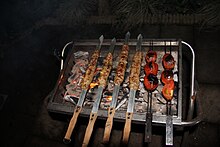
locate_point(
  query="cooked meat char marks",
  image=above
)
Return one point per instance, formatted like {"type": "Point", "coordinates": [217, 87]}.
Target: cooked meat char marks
{"type": "Point", "coordinates": [90, 70]}
{"type": "Point", "coordinates": [120, 72]}
{"type": "Point", "coordinates": [135, 71]}
{"type": "Point", "coordinates": [107, 66]}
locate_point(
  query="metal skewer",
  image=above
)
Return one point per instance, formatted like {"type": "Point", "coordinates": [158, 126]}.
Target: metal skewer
{"type": "Point", "coordinates": [112, 109]}
{"type": "Point", "coordinates": [94, 112]}
{"type": "Point", "coordinates": [78, 107]}
{"type": "Point", "coordinates": [165, 47]}
{"type": "Point", "coordinates": [170, 47]}
{"type": "Point", "coordinates": [131, 100]}
{"type": "Point", "coordinates": [148, 124]}
{"type": "Point", "coordinates": [169, 125]}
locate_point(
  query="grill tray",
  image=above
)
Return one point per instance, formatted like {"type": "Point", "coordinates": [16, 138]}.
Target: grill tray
{"type": "Point", "coordinates": [58, 105]}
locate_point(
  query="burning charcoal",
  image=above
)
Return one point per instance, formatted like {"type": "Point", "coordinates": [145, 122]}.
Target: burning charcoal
{"type": "Point", "coordinates": [137, 99]}
{"type": "Point", "coordinates": [111, 77]}
{"type": "Point", "coordinates": [121, 103]}
{"type": "Point", "coordinates": [160, 98]}
{"type": "Point", "coordinates": [90, 96]}
{"type": "Point", "coordinates": [126, 79]}
{"type": "Point", "coordinates": [93, 88]}
{"type": "Point", "coordinates": [125, 105]}
{"type": "Point", "coordinates": [156, 107]}
{"type": "Point", "coordinates": [71, 99]}
{"type": "Point", "coordinates": [82, 69]}
{"type": "Point", "coordinates": [71, 91]}
{"type": "Point", "coordinates": [88, 103]}
{"type": "Point", "coordinates": [125, 90]}
{"type": "Point", "coordinates": [173, 109]}
{"type": "Point", "coordinates": [72, 78]}
{"type": "Point", "coordinates": [80, 80]}
{"type": "Point", "coordinates": [107, 93]}
{"type": "Point", "coordinates": [79, 66]}
{"type": "Point", "coordinates": [142, 90]}
{"type": "Point", "coordinates": [158, 110]}
{"type": "Point", "coordinates": [125, 85]}
{"type": "Point", "coordinates": [142, 74]}
{"type": "Point", "coordinates": [110, 87]}
{"type": "Point", "coordinates": [78, 89]}
{"type": "Point", "coordinates": [174, 102]}
{"type": "Point", "coordinates": [140, 107]}
{"type": "Point", "coordinates": [105, 104]}
{"type": "Point", "coordinates": [75, 68]}
{"type": "Point", "coordinates": [141, 79]}
{"type": "Point", "coordinates": [145, 97]}
{"type": "Point", "coordinates": [102, 105]}
{"type": "Point", "coordinates": [71, 86]}
{"type": "Point", "coordinates": [139, 94]}
{"type": "Point", "coordinates": [143, 63]}
{"type": "Point", "coordinates": [81, 55]}
{"type": "Point", "coordinates": [111, 81]}
{"type": "Point", "coordinates": [164, 109]}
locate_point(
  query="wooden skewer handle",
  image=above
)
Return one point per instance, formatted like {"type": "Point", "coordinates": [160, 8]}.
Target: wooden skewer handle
{"type": "Point", "coordinates": [108, 125]}
{"type": "Point", "coordinates": [127, 127]}
{"type": "Point", "coordinates": [72, 124]}
{"type": "Point", "coordinates": [89, 129]}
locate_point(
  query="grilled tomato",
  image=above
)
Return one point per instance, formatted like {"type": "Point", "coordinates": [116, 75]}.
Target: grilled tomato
{"type": "Point", "coordinates": [150, 82]}
{"type": "Point", "coordinates": [151, 56]}
{"type": "Point", "coordinates": [168, 62]}
{"type": "Point", "coordinates": [168, 90]}
{"type": "Point", "coordinates": [151, 68]}
{"type": "Point", "coordinates": [166, 76]}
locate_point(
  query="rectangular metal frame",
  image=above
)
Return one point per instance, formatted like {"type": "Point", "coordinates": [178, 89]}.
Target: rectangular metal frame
{"type": "Point", "coordinates": [64, 108]}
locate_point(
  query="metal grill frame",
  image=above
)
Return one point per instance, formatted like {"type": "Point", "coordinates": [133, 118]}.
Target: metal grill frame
{"type": "Point", "coordinates": [139, 118]}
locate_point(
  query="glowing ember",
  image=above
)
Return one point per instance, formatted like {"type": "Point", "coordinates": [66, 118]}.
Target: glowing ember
{"type": "Point", "coordinates": [92, 85]}
{"type": "Point", "coordinates": [109, 98]}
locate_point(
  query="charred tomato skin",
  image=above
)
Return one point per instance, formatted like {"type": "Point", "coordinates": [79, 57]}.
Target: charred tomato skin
{"type": "Point", "coordinates": [166, 76]}
{"type": "Point", "coordinates": [151, 56]}
{"type": "Point", "coordinates": [168, 61]}
{"type": "Point", "coordinates": [151, 68]}
{"type": "Point", "coordinates": [168, 90]}
{"type": "Point", "coordinates": [151, 82]}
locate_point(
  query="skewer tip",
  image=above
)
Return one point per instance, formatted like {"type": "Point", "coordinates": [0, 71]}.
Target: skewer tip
{"type": "Point", "coordinates": [140, 37]}
{"type": "Point", "coordinates": [101, 38]}
{"type": "Point", "coordinates": [139, 41]}
{"type": "Point", "coordinates": [128, 34]}
{"type": "Point", "coordinates": [114, 40]}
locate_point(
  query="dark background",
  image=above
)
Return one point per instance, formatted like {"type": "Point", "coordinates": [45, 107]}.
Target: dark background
{"type": "Point", "coordinates": [30, 31]}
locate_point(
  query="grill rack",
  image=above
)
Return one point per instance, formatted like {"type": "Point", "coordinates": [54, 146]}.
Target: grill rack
{"type": "Point", "coordinates": [57, 104]}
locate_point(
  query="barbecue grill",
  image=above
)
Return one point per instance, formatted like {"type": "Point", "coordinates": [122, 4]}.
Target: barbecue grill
{"type": "Point", "coordinates": [63, 102]}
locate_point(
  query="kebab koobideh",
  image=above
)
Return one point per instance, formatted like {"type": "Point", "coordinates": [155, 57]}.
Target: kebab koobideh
{"type": "Point", "coordinates": [119, 78]}
{"type": "Point", "coordinates": [87, 79]}
{"type": "Point", "coordinates": [102, 81]}
{"type": "Point", "coordinates": [134, 82]}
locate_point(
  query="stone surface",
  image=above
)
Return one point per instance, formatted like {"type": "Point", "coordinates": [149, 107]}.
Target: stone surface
{"type": "Point", "coordinates": [209, 95]}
